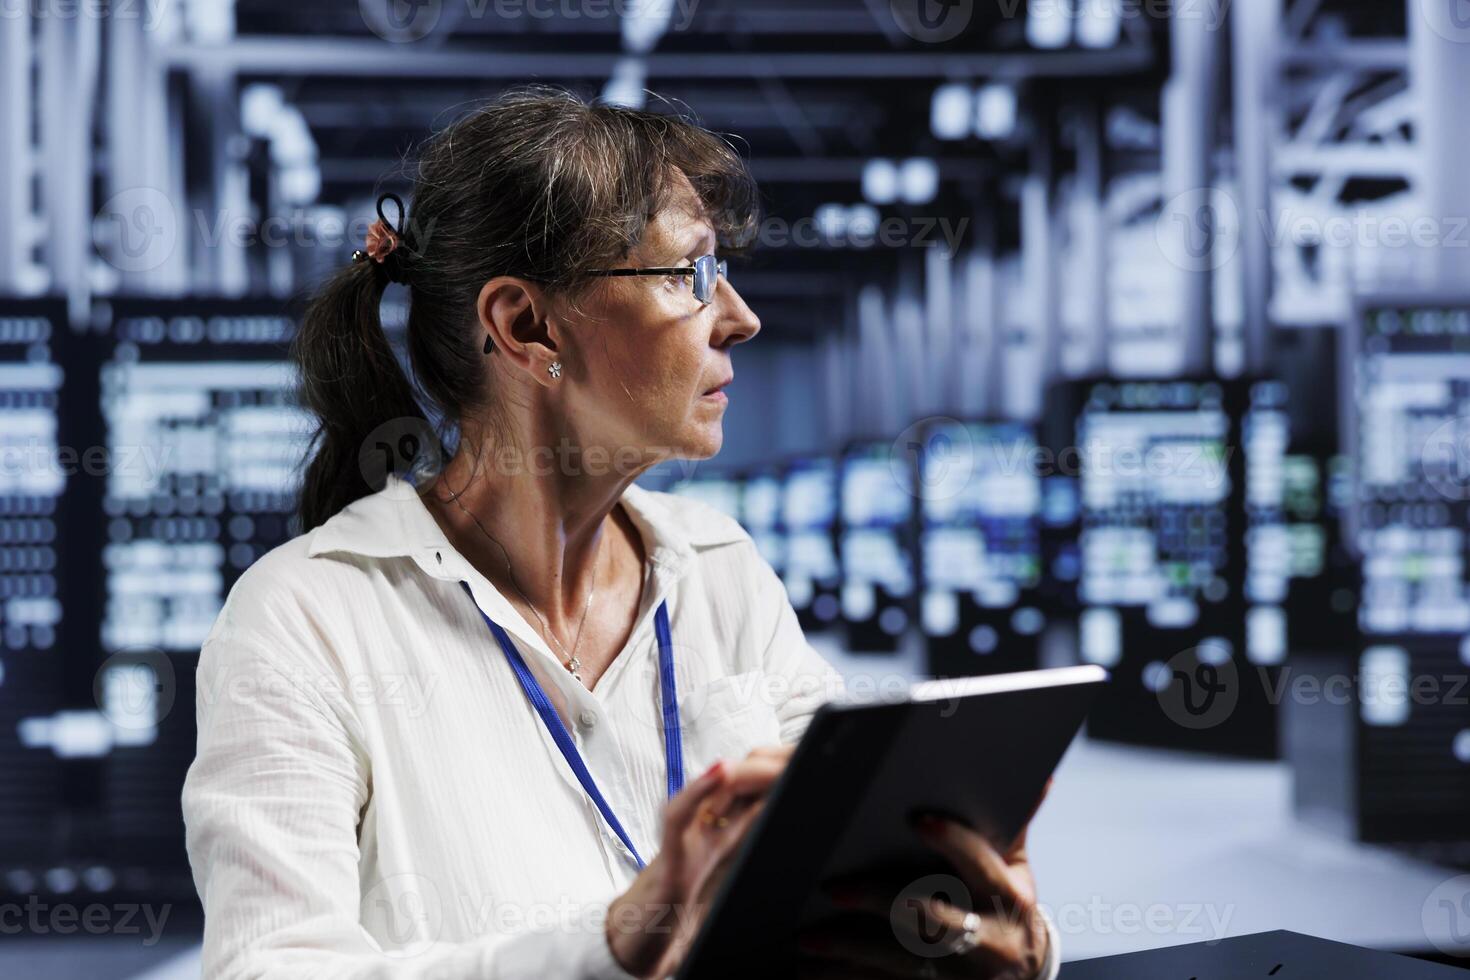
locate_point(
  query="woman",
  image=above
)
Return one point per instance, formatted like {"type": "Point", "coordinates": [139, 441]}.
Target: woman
{"type": "Point", "coordinates": [441, 733]}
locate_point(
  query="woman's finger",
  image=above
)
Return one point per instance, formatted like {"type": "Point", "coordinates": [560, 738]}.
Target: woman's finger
{"type": "Point", "coordinates": [929, 922]}
{"type": "Point", "coordinates": [782, 751]}
{"type": "Point", "coordinates": [720, 845]}
{"type": "Point", "coordinates": [748, 777]}
{"type": "Point", "coordinates": [723, 836]}
{"type": "Point", "coordinates": [979, 864]}
{"type": "Point", "coordinates": [1017, 851]}
{"type": "Point", "coordinates": [681, 809]}
{"type": "Point", "coordinates": [1000, 939]}
{"type": "Point", "coordinates": [731, 822]}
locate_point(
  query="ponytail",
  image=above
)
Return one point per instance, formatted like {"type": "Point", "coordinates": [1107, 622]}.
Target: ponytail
{"type": "Point", "coordinates": [352, 382]}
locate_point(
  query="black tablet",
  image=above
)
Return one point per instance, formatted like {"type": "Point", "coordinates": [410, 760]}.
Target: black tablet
{"type": "Point", "coordinates": [979, 748]}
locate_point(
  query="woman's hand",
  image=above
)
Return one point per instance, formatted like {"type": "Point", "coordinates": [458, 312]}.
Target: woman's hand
{"type": "Point", "coordinates": [651, 925]}
{"type": "Point", "coordinates": [999, 933]}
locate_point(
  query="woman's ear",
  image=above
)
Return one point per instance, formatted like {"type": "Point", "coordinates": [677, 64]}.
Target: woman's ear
{"type": "Point", "coordinates": [514, 313]}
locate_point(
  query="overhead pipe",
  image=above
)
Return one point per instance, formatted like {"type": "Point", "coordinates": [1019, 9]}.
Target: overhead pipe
{"type": "Point", "coordinates": [1439, 77]}
{"type": "Point", "coordinates": [1255, 31]}
{"type": "Point", "coordinates": [1186, 228]}
{"type": "Point", "coordinates": [1039, 266]}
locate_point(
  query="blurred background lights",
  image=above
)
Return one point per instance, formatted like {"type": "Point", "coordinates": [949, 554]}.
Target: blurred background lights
{"type": "Point", "coordinates": [880, 181]}
{"type": "Point", "coordinates": [1049, 23]}
{"type": "Point", "coordinates": [1099, 23]}
{"type": "Point", "coordinates": [995, 111]}
{"type": "Point", "coordinates": [951, 111]}
{"type": "Point", "coordinates": [918, 180]}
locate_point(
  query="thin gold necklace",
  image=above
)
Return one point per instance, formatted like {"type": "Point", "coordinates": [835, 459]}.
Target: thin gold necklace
{"type": "Point", "coordinates": [572, 664]}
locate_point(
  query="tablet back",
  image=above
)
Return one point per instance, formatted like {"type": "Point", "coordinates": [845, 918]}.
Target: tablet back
{"type": "Point", "coordinates": [979, 748]}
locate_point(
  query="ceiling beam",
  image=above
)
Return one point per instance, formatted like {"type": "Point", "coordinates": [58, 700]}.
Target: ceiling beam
{"type": "Point", "coordinates": [1387, 54]}
{"type": "Point", "coordinates": [779, 170]}
{"type": "Point", "coordinates": [301, 57]}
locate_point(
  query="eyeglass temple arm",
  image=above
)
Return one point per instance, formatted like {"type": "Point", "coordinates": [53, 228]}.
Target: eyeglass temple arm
{"type": "Point", "coordinates": [683, 270]}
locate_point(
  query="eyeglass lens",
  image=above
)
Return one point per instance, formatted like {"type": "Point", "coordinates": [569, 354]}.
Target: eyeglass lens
{"type": "Point", "coordinates": [707, 270]}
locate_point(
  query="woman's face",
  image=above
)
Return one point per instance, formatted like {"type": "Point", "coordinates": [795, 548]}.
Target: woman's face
{"type": "Point", "coordinates": [645, 363]}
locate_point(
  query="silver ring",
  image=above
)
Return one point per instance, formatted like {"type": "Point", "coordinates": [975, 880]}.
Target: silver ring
{"type": "Point", "coordinates": [970, 936]}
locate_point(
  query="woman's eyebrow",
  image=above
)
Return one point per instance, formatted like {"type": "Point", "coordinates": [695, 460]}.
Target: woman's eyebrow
{"type": "Point", "coordinates": [689, 244]}
{"type": "Point", "coordinates": [706, 237]}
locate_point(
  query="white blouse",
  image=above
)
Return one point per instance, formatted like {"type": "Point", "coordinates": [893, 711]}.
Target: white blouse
{"type": "Point", "coordinates": [374, 796]}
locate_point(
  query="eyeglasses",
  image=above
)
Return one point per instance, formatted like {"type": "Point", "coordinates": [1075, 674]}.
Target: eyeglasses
{"type": "Point", "coordinates": [705, 272]}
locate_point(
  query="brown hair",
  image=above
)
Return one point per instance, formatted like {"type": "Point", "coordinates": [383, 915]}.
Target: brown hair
{"type": "Point", "coordinates": [539, 184]}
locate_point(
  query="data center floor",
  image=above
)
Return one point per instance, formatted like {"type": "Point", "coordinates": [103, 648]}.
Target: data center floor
{"type": "Point", "coordinates": [1139, 848]}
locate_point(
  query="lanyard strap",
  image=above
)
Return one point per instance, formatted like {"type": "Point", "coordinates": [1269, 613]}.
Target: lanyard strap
{"type": "Point", "coordinates": [669, 699]}
{"type": "Point", "coordinates": [673, 739]}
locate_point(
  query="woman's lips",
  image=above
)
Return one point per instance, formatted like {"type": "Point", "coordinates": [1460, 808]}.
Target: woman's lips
{"type": "Point", "coordinates": [717, 393]}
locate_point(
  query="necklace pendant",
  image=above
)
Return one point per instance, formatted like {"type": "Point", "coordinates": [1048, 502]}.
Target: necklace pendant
{"type": "Point", "coordinates": [574, 665]}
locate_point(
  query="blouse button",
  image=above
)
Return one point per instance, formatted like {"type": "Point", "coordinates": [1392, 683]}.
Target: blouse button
{"type": "Point", "coordinates": [588, 717]}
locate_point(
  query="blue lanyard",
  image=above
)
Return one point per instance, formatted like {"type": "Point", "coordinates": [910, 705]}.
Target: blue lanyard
{"type": "Point", "coordinates": [673, 740]}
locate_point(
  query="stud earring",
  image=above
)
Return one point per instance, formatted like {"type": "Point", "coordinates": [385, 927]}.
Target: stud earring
{"type": "Point", "coordinates": [554, 369]}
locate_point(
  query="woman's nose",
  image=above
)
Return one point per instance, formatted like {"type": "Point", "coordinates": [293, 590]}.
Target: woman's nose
{"type": "Point", "coordinates": [737, 322]}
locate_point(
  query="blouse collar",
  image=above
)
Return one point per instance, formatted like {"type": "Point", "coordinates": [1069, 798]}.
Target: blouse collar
{"type": "Point", "coordinates": [395, 523]}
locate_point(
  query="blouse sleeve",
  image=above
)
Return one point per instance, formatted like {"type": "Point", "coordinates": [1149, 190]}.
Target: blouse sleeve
{"type": "Point", "coordinates": [804, 680]}
{"type": "Point", "coordinates": [1053, 963]}
{"type": "Point", "coordinates": [271, 807]}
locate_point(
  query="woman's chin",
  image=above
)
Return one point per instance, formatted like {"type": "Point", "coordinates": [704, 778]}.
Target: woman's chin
{"type": "Point", "coordinates": [704, 441]}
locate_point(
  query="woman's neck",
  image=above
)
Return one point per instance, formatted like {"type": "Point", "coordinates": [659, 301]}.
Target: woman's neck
{"type": "Point", "coordinates": [549, 510]}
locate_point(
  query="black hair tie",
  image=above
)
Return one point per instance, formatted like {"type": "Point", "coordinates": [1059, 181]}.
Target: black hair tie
{"type": "Point", "coordinates": [387, 243]}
